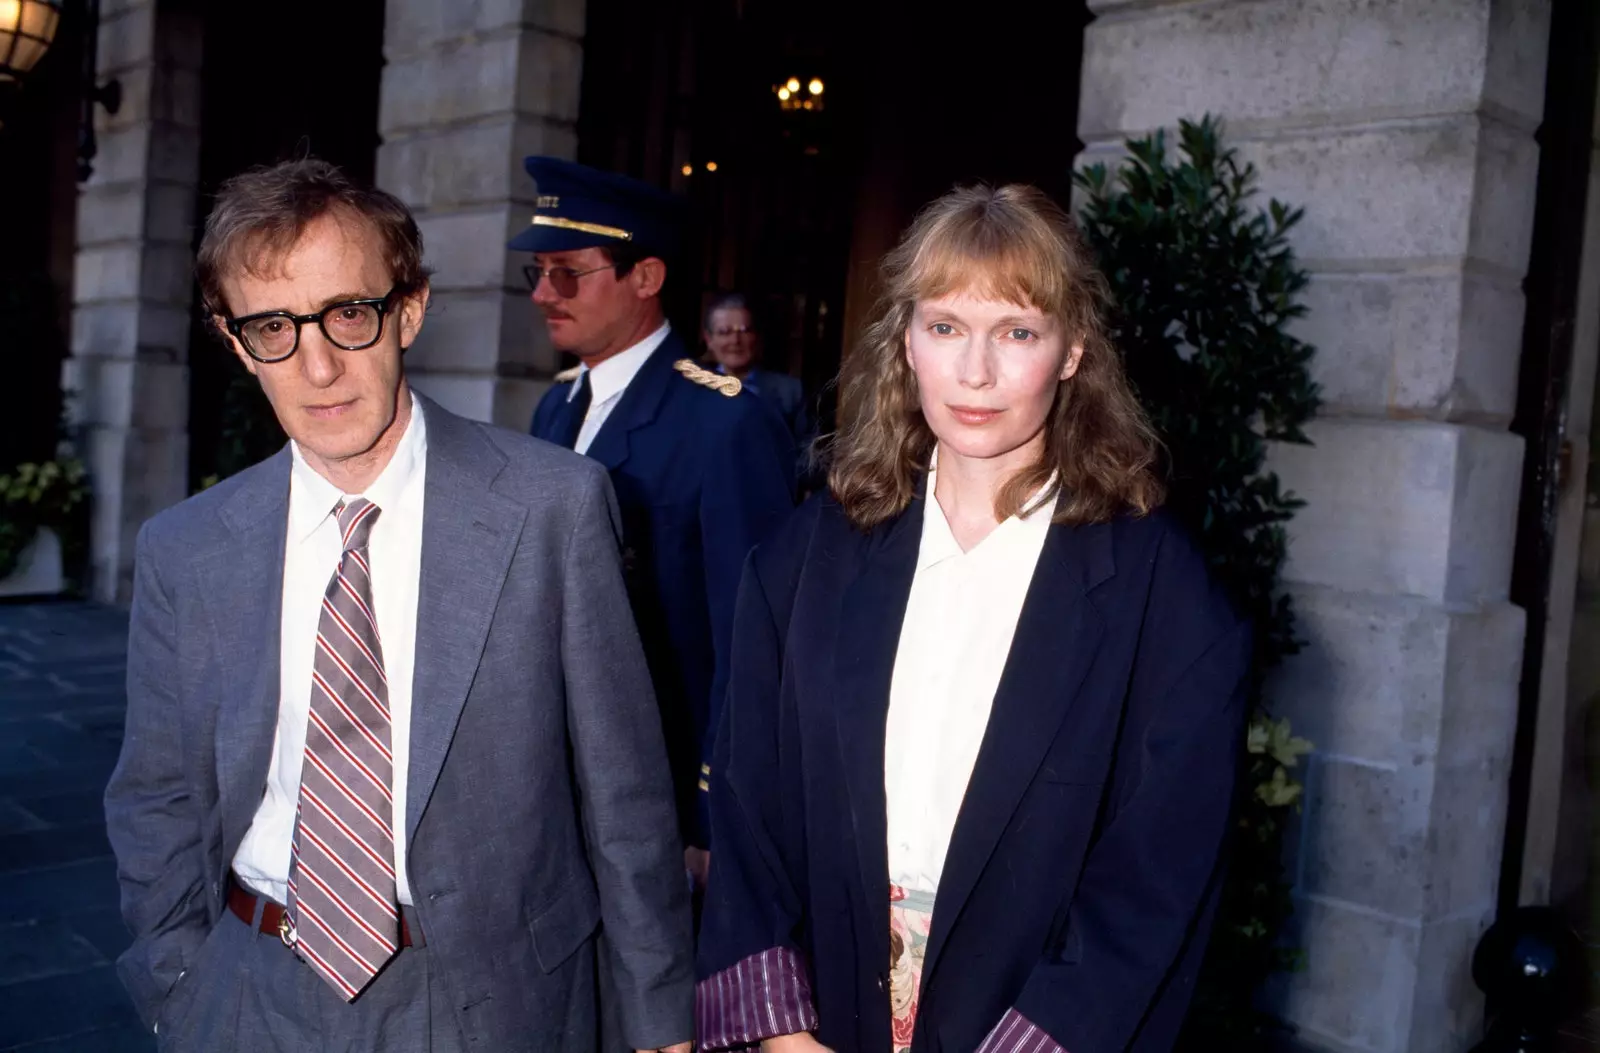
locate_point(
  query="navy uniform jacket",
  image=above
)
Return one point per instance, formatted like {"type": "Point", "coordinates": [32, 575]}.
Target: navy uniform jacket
{"type": "Point", "coordinates": [700, 478]}
{"type": "Point", "coordinates": [1084, 865]}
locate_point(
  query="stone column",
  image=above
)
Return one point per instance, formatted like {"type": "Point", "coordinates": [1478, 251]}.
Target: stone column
{"type": "Point", "coordinates": [470, 90]}
{"type": "Point", "coordinates": [128, 377]}
{"type": "Point", "coordinates": [1405, 129]}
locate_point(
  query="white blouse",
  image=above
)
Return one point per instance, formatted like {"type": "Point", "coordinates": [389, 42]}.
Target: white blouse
{"type": "Point", "coordinates": [960, 618]}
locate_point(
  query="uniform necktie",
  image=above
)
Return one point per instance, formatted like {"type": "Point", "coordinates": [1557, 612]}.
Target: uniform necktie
{"type": "Point", "coordinates": [577, 410]}
{"type": "Point", "coordinates": [342, 884]}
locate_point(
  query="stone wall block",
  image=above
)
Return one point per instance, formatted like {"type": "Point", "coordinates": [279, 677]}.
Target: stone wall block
{"type": "Point", "coordinates": [462, 332]}
{"type": "Point", "coordinates": [1401, 191]}
{"type": "Point", "coordinates": [1483, 523]}
{"type": "Point", "coordinates": [1519, 43]}
{"type": "Point", "coordinates": [1355, 993]}
{"type": "Point", "coordinates": [1305, 62]}
{"type": "Point", "coordinates": [471, 165]}
{"type": "Point", "coordinates": [107, 272]}
{"type": "Point", "coordinates": [123, 156]}
{"type": "Point", "coordinates": [1448, 1007]}
{"type": "Point", "coordinates": [1457, 341]}
{"type": "Point", "coordinates": [1350, 320]}
{"type": "Point", "coordinates": [126, 38]}
{"type": "Point", "coordinates": [1506, 178]}
{"type": "Point", "coordinates": [105, 329]}
{"type": "Point", "coordinates": [136, 474]}
{"type": "Point", "coordinates": [167, 273]}
{"type": "Point", "coordinates": [482, 329]}
{"type": "Point", "coordinates": [1466, 835]}
{"type": "Point", "coordinates": [1482, 678]}
{"type": "Point", "coordinates": [170, 214]}
{"type": "Point", "coordinates": [109, 214]}
{"type": "Point", "coordinates": [174, 155]}
{"type": "Point", "coordinates": [467, 249]}
{"type": "Point", "coordinates": [1366, 834]}
{"type": "Point", "coordinates": [550, 74]}
{"type": "Point", "coordinates": [460, 82]}
{"type": "Point", "coordinates": [1394, 194]}
{"type": "Point", "coordinates": [1396, 530]}
{"type": "Point", "coordinates": [1371, 680]}
{"type": "Point", "coordinates": [417, 25]}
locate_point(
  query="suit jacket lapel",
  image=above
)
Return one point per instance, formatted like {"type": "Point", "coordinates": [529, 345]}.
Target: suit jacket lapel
{"type": "Point", "coordinates": [640, 402]}
{"type": "Point", "coordinates": [1051, 652]}
{"type": "Point", "coordinates": [873, 610]}
{"type": "Point", "coordinates": [469, 534]}
{"type": "Point", "coordinates": [243, 588]}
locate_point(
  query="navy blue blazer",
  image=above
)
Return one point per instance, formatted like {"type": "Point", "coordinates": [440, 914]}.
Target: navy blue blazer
{"type": "Point", "coordinates": [700, 478]}
{"type": "Point", "coordinates": [1084, 865]}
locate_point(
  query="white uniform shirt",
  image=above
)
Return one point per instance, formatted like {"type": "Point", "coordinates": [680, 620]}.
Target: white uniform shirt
{"type": "Point", "coordinates": [960, 618]}
{"type": "Point", "coordinates": [311, 555]}
{"type": "Point", "coordinates": [608, 381]}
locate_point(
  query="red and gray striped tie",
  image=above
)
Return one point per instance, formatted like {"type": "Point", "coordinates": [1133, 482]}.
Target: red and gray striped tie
{"type": "Point", "coordinates": [342, 889]}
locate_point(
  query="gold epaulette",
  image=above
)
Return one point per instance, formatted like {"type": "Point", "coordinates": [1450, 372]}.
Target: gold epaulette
{"type": "Point", "coordinates": [729, 386]}
{"type": "Point", "coordinates": [567, 376]}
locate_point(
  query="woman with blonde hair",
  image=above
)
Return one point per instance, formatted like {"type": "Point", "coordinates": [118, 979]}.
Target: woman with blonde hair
{"type": "Point", "coordinates": [977, 758]}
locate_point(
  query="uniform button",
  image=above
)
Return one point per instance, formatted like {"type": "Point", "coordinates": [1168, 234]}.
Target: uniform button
{"type": "Point", "coordinates": [882, 982]}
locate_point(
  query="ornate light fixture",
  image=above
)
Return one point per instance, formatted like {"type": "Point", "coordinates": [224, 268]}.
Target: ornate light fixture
{"type": "Point", "coordinates": [794, 95]}
{"type": "Point", "coordinates": [27, 27]}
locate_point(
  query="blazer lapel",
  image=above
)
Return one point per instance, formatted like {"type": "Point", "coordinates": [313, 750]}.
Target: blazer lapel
{"type": "Point", "coordinates": [873, 610]}
{"type": "Point", "coordinates": [469, 534]}
{"type": "Point", "coordinates": [640, 402]}
{"type": "Point", "coordinates": [243, 586]}
{"type": "Point", "coordinates": [1055, 643]}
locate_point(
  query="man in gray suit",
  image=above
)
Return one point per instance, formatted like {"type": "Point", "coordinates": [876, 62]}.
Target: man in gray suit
{"type": "Point", "coordinates": [393, 777]}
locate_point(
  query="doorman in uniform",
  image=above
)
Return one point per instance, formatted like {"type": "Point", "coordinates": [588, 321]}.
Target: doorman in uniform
{"type": "Point", "coordinates": [701, 468]}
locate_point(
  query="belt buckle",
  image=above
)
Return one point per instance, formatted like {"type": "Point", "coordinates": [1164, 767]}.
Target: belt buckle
{"type": "Point", "coordinates": [286, 931]}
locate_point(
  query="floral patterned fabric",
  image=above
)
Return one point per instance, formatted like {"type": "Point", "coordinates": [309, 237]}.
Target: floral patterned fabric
{"type": "Point", "coordinates": [910, 917]}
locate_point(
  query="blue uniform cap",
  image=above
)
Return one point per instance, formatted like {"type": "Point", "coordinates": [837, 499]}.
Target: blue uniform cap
{"type": "Point", "coordinates": [579, 207]}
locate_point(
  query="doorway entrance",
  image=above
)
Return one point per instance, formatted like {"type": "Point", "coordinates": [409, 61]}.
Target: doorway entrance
{"type": "Point", "coordinates": [805, 139]}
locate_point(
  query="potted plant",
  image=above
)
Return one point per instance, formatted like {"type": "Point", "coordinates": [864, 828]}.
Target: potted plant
{"type": "Point", "coordinates": [41, 505]}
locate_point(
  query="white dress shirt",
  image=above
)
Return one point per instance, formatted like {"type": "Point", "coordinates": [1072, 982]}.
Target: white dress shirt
{"type": "Point", "coordinates": [608, 381]}
{"type": "Point", "coordinates": [311, 555]}
{"type": "Point", "coordinates": [960, 618]}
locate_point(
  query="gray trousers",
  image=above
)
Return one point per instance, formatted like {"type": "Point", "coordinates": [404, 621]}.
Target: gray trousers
{"type": "Point", "coordinates": [248, 993]}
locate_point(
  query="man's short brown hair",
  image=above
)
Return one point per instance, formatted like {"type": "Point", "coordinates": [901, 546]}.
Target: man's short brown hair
{"type": "Point", "coordinates": [260, 214]}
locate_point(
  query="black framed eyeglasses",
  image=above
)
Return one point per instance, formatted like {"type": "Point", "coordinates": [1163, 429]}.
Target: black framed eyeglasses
{"type": "Point", "coordinates": [351, 325]}
{"type": "Point", "coordinates": [564, 280]}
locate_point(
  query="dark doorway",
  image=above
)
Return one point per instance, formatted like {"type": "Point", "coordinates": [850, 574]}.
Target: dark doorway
{"type": "Point", "coordinates": [318, 95]}
{"type": "Point", "coordinates": [39, 195]}
{"type": "Point", "coordinates": [802, 201]}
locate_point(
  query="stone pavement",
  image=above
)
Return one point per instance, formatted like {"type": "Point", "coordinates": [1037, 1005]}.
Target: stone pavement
{"type": "Point", "coordinates": [61, 712]}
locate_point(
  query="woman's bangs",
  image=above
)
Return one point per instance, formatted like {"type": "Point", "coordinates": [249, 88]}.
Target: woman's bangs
{"type": "Point", "coordinates": [984, 260]}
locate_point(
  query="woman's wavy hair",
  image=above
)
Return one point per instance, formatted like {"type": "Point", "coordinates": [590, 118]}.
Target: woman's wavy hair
{"type": "Point", "coordinates": [1017, 245]}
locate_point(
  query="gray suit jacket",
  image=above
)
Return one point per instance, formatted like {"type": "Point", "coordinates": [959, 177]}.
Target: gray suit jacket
{"type": "Point", "coordinates": [540, 808]}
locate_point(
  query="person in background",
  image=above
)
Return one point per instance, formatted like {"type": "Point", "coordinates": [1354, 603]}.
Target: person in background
{"type": "Point", "coordinates": [734, 341]}
{"type": "Point", "coordinates": [391, 762]}
{"type": "Point", "coordinates": [981, 737]}
{"type": "Point", "coordinates": [702, 470]}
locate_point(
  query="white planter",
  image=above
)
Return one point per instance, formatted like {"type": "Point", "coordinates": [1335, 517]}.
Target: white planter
{"type": "Point", "coordinates": [38, 571]}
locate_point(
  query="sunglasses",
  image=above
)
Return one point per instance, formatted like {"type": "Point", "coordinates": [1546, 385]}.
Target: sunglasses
{"type": "Point", "coordinates": [564, 280]}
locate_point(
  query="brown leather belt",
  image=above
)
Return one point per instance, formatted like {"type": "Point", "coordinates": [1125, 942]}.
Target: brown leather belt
{"type": "Point", "coordinates": [275, 918]}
